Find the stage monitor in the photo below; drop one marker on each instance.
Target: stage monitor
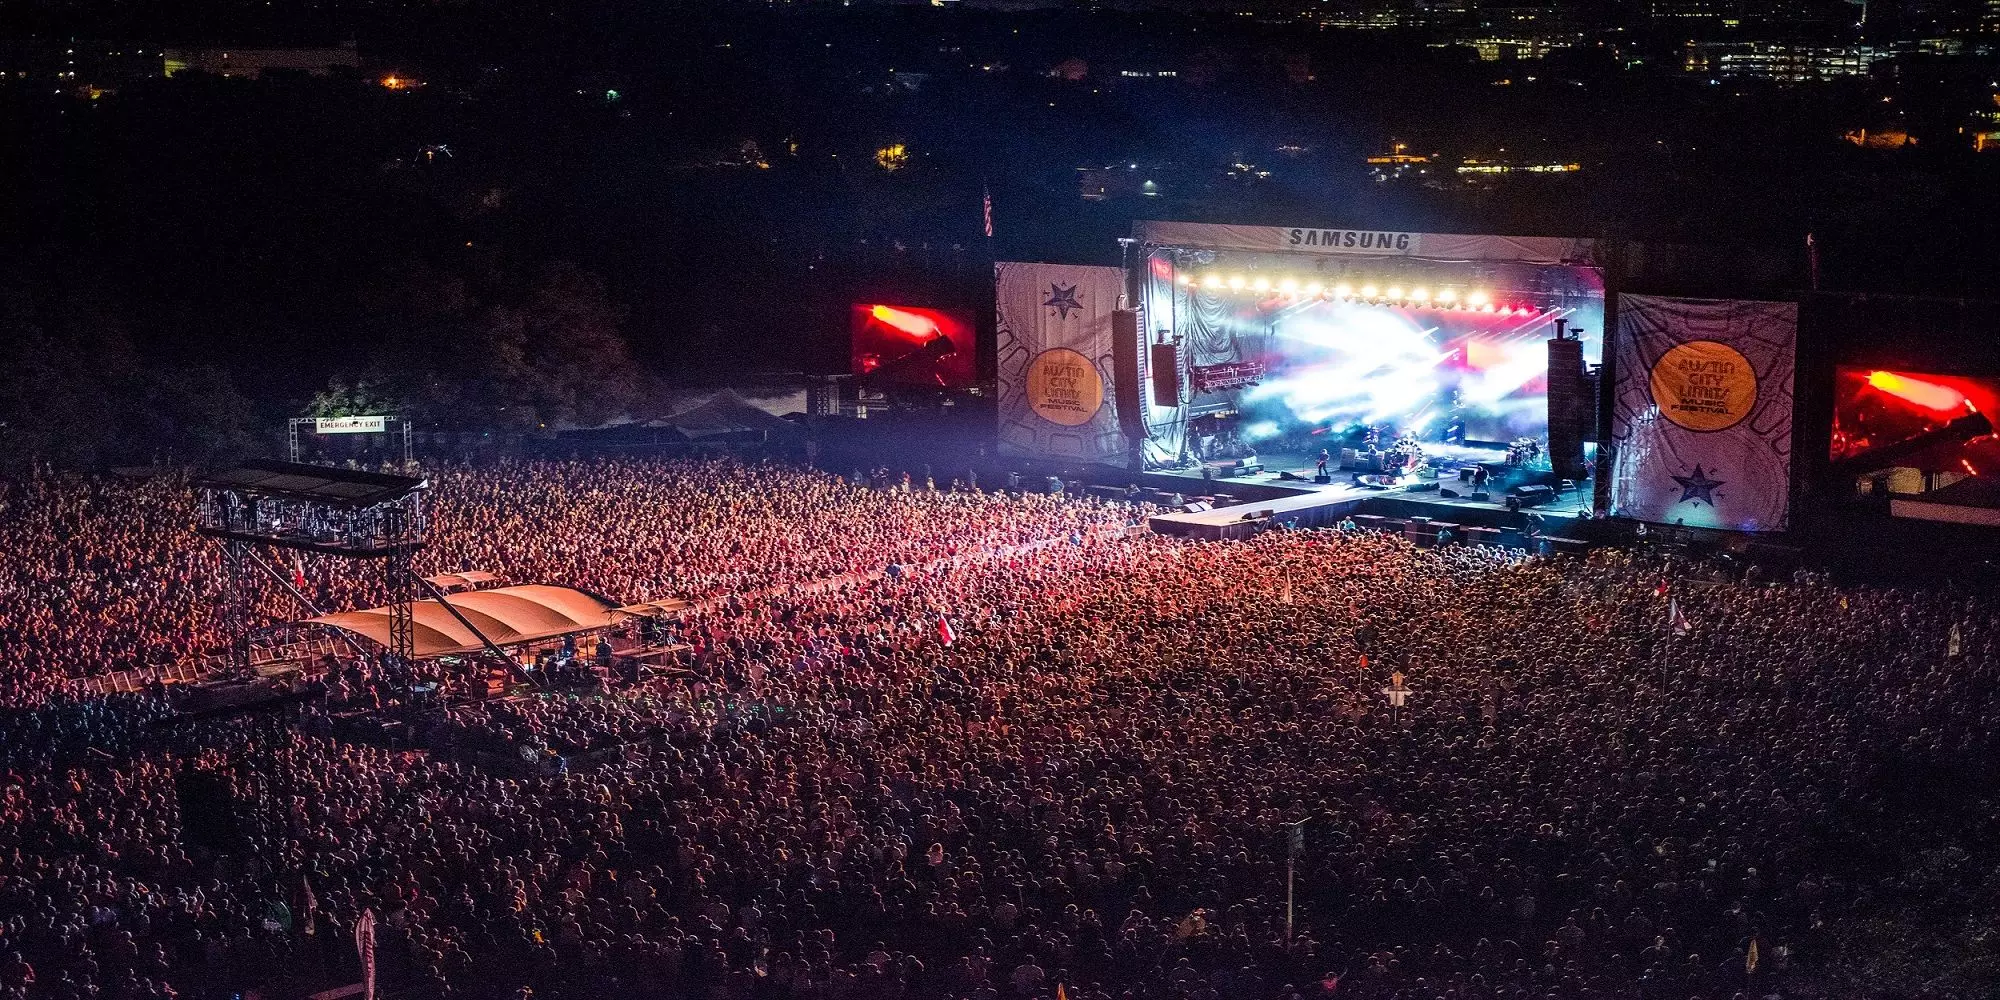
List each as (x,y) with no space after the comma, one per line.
(1929,425)
(905,345)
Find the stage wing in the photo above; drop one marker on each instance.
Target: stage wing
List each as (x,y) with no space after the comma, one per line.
(1055,356)
(1702,419)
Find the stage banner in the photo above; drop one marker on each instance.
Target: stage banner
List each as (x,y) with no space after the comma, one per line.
(1702,418)
(1054,337)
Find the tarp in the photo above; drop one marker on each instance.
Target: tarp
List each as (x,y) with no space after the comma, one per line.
(1373,242)
(1702,416)
(508,616)
(725,413)
(1056,375)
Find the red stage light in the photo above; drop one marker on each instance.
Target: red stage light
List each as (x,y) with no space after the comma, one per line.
(918,327)
(1928,395)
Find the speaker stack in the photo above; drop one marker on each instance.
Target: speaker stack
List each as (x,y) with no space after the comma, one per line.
(1166,370)
(1125,373)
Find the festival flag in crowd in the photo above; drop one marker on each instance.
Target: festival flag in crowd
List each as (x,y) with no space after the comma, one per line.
(1676,622)
(945,634)
(1285,590)
(1954,644)
(308,904)
(1750,957)
(986,206)
(1661,590)
(298,572)
(1061,994)
(364,943)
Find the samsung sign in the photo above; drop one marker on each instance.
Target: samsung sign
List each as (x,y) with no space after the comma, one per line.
(350,425)
(1350,239)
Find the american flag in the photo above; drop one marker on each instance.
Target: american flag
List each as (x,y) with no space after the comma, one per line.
(986,205)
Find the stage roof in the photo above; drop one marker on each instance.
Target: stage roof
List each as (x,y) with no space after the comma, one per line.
(508,616)
(312,483)
(1367,243)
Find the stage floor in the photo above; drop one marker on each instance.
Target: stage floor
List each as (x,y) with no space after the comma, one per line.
(1306,504)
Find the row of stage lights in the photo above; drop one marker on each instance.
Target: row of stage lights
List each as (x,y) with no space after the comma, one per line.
(1415,298)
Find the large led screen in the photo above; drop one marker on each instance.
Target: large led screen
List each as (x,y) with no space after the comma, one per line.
(1936,423)
(902,345)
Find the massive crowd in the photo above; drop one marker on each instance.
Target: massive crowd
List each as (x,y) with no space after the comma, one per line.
(103,575)
(1084,778)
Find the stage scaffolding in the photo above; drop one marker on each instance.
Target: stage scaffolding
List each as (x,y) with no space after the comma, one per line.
(366,517)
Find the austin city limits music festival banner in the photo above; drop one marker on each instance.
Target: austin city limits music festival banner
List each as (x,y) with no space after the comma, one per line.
(1054,351)
(1702,418)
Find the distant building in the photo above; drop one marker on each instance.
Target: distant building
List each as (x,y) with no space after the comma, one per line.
(1507,49)
(253,63)
(1397,165)
(1118,180)
(1781,61)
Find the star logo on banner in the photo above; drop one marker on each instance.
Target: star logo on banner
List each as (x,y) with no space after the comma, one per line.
(1697,488)
(1062,299)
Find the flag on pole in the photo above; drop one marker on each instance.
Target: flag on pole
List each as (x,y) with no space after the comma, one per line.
(945,634)
(1750,957)
(1954,643)
(986,208)
(1285,589)
(364,943)
(1676,622)
(1812,261)
(308,905)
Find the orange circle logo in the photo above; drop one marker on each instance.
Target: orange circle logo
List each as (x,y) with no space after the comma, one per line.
(1064,387)
(1704,386)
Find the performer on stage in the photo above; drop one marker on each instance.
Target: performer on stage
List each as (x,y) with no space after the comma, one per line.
(1323,456)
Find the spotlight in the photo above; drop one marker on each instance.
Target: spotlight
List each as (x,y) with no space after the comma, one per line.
(1420,295)
(1344,290)
(1288,286)
(1447,295)
(1212,281)
(1488,307)
(1368,291)
(1477,299)
(1236,282)
(1314,288)
(1261,284)
(1395,292)
(1183,280)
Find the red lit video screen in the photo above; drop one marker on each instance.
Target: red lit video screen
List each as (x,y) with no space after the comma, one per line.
(902,345)
(1937,423)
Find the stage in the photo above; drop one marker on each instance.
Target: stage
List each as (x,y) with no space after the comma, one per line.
(1248,503)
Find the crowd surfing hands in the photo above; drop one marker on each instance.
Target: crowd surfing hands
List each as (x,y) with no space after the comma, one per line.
(1087,786)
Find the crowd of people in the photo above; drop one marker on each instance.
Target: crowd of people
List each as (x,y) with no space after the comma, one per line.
(105,575)
(1032,766)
